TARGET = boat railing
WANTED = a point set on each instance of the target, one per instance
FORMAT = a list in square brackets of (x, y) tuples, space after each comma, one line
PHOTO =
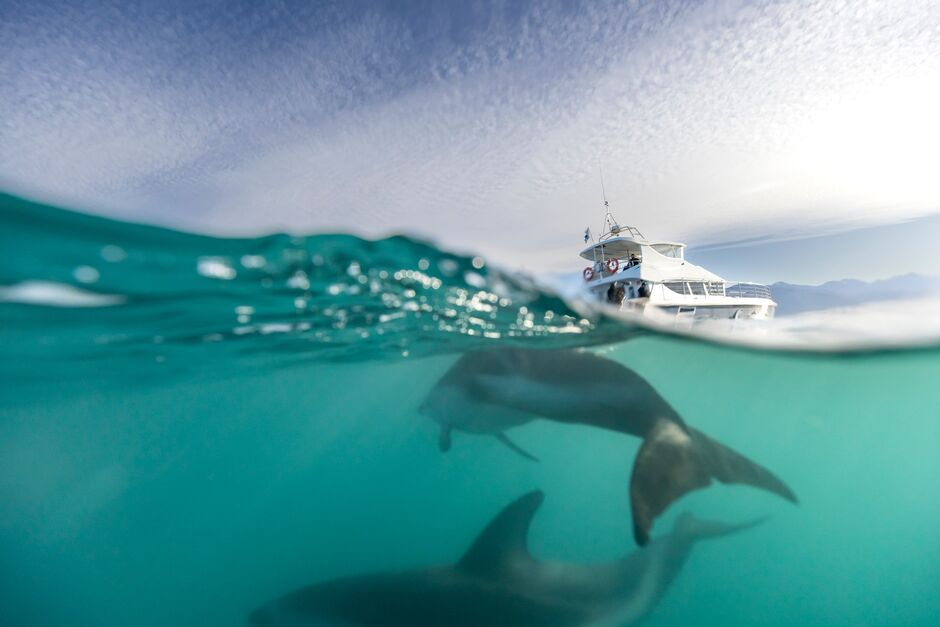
[(696, 288), (747, 290), (616, 230)]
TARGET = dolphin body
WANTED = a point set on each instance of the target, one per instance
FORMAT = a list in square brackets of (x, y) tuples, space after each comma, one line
[(488, 392), (497, 583)]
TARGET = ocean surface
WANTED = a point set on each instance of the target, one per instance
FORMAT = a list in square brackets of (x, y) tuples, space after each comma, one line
[(193, 426)]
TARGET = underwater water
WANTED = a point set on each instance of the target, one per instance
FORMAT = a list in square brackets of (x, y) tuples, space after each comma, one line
[(191, 427)]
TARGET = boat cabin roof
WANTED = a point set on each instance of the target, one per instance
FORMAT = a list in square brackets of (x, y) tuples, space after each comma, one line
[(623, 247)]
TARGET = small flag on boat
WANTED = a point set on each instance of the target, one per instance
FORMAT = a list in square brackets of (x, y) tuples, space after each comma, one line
[(587, 234)]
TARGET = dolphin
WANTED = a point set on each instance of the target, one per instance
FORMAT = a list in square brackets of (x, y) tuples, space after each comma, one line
[(487, 392), (498, 583)]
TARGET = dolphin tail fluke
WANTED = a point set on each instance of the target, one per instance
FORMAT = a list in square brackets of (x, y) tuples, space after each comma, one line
[(728, 466), (502, 437), (666, 468), (695, 529), (675, 460)]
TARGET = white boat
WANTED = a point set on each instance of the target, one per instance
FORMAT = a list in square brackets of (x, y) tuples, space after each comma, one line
[(654, 278)]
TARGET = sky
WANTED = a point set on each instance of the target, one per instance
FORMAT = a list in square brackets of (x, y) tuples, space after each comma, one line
[(486, 126), (869, 253)]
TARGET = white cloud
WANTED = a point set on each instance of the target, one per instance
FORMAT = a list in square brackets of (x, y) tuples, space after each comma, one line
[(724, 119)]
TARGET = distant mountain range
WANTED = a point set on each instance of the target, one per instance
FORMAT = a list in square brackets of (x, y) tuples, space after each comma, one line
[(793, 299)]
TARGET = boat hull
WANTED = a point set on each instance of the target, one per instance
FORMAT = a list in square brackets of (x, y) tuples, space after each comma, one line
[(694, 307)]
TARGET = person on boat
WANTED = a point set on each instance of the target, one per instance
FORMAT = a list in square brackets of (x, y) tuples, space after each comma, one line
[(615, 293), (619, 293)]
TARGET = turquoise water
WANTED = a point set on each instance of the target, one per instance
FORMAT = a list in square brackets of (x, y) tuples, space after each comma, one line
[(192, 426)]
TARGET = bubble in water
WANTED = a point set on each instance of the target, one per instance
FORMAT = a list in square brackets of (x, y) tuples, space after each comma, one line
[(85, 274), (215, 268), (299, 281), (474, 279), (253, 261), (448, 267), (113, 254)]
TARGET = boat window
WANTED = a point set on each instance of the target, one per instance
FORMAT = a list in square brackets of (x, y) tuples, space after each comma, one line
[(668, 250), (697, 288), (679, 287), (715, 288)]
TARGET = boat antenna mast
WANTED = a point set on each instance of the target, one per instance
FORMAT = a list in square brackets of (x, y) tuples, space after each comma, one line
[(612, 228), (610, 222)]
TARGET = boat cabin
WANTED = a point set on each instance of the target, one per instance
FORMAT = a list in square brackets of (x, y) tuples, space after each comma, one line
[(626, 268), (633, 256)]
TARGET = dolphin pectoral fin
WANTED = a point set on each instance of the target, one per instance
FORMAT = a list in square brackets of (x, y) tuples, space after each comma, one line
[(676, 460), (443, 438), (728, 466), (502, 437), (666, 468)]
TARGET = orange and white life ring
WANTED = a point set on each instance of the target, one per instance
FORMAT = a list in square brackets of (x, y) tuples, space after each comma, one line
[(613, 265), (588, 273)]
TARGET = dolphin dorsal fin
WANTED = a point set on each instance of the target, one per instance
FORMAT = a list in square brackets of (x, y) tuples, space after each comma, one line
[(505, 539)]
